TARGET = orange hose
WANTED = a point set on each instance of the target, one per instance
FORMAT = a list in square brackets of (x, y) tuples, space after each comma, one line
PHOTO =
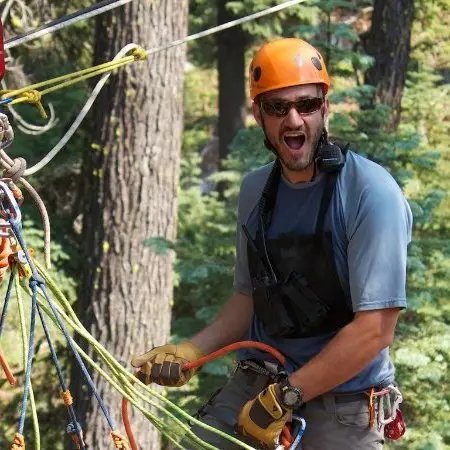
[(8, 373), (127, 425), (286, 435), (233, 347)]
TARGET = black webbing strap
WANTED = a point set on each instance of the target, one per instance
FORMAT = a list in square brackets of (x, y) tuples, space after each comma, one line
[(325, 202), (269, 195)]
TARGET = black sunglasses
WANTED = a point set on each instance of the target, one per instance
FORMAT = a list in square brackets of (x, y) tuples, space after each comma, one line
[(280, 108)]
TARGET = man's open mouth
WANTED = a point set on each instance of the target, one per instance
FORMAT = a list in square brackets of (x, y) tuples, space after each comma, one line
[(294, 140)]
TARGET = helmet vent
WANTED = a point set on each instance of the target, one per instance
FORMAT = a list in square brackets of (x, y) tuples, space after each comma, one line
[(257, 73), (317, 63)]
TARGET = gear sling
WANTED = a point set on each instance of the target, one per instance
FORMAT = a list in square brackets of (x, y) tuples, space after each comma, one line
[(296, 288)]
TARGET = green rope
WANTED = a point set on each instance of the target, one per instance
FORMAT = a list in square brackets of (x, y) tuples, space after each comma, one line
[(125, 382)]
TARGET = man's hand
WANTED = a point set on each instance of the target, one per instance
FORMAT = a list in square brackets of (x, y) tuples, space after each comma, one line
[(263, 418), (163, 365)]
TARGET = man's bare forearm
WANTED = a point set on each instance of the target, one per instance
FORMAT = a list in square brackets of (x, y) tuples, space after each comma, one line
[(231, 325), (350, 351)]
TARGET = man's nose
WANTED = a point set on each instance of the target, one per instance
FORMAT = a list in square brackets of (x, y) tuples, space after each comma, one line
[(293, 118)]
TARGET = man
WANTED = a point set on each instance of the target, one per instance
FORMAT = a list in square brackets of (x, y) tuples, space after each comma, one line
[(320, 275)]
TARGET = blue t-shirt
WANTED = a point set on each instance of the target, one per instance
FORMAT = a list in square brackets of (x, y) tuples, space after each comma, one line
[(371, 225)]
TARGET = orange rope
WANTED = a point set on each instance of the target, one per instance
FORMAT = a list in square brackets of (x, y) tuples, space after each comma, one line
[(119, 441), (8, 373), (5, 251), (18, 443), (286, 435), (127, 425), (67, 397), (233, 347)]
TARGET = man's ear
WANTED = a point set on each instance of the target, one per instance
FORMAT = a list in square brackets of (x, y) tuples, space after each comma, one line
[(325, 111), (257, 113), (326, 107)]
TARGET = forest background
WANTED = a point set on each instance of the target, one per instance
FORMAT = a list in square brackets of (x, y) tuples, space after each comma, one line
[(405, 126)]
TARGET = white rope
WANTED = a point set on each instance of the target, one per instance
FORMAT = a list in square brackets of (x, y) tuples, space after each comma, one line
[(62, 23), (81, 115), (225, 26)]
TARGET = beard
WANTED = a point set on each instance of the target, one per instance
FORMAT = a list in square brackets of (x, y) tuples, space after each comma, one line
[(300, 162)]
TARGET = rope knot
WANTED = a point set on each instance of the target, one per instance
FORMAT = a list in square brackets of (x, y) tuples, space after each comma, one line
[(34, 98), (139, 53), (36, 281), (16, 171), (76, 433), (119, 441), (18, 443), (67, 397)]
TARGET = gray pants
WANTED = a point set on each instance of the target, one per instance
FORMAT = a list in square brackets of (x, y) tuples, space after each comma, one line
[(333, 422)]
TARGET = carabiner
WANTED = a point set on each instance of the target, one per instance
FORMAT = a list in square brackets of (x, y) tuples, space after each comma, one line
[(391, 407), (9, 211)]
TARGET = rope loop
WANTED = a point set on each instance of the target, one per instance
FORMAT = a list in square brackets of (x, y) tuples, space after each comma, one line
[(139, 53), (16, 171), (119, 441), (36, 281), (76, 433)]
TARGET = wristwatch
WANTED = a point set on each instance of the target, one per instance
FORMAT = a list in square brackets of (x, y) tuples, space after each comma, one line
[(291, 397)]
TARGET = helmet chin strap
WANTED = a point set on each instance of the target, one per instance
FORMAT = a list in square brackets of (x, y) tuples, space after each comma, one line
[(267, 142)]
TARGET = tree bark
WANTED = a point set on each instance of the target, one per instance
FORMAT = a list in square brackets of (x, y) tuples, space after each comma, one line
[(389, 42), (131, 177), (232, 44)]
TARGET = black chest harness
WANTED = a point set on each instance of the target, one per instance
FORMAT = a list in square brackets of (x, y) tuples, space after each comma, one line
[(296, 288)]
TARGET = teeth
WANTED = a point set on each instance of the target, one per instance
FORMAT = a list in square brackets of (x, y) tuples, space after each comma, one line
[(293, 134)]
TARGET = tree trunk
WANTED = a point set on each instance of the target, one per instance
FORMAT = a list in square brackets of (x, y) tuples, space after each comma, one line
[(389, 42), (231, 67), (131, 179)]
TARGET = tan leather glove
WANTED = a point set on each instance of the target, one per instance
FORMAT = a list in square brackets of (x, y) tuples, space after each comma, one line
[(263, 418), (163, 365)]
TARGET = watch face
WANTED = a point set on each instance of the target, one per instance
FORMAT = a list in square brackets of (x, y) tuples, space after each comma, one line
[(291, 397)]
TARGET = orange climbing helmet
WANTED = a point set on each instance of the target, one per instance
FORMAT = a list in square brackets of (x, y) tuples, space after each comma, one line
[(286, 62)]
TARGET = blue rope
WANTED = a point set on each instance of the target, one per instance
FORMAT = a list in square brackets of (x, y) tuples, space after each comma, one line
[(5, 101), (38, 281), (6, 304), (26, 389), (74, 426)]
